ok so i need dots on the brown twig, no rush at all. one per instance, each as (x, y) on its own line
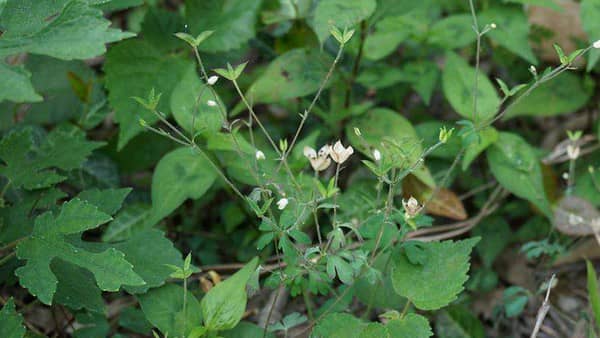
(543, 311)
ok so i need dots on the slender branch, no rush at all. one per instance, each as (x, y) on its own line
(356, 67)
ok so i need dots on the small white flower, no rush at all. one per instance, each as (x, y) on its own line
(340, 154)
(260, 155)
(596, 44)
(211, 103)
(573, 152)
(411, 207)
(565, 176)
(320, 161)
(377, 155)
(493, 25)
(532, 69)
(282, 203)
(212, 80)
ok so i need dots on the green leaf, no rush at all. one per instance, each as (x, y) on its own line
(224, 305)
(233, 22)
(593, 295)
(590, 19)
(516, 167)
(11, 322)
(381, 124)
(486, 137)
(458, 83)
(76, 287)
(189, 105)
(16, 84)
(246, 330)
(179, 175)
(338, 325)
(159, 27)
(512, 30)
(388, 34)
(454, 31)
(108, 201)
(75, 31)
(438, 282)
(495, 235)
(50, 239)
(411, 325)
(339, 13)
(544, 3)
(563, 95)
(134, 68)
(458, 322)
(127, 222)
(296, 73)
(91, 324)
(32, 166)
(163, 308)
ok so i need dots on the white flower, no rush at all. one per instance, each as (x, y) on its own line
(340, 154)
(320, 161)
(493, 25)
(211, 103)
(377, 155)
(411, 207)
(565, 176)
(282, 203)
(212, 80)
(596, 44)
(260, 155)
(573, 152)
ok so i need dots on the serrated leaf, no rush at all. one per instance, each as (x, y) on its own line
(232, 21)
(11, 322)
(590, 19)
(438, 282)
(127, 222)
(16, 84)
(75, 31)
(458, 322)
(296, 73)
(516, 167)
(224, 305)
(134, 68)
(179, 175)
(189, 106)
(339, 13)
(163, 308)
(50, 239)
(338, 325)
(411, 325)
(76, 287)
(458, 83)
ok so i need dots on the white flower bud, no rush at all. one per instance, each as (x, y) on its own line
(493, 25)
(282, 203)
(573, 152)
(211, 103)
(411, 207)
(260, 155)
(596, 44)
(377, 155)
(212, 80)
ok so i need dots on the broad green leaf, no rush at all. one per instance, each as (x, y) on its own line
(32, 165)
(296, 73)
(438, 282)
(458, 322)
(545, 3)
(163, 308)
(487, 137)
(50, 239)
(224, 305)
(516, 167)
(381, 124)
(114, 5)
(338, 325)
(179, 175)
(387, 35)
(246, 330)
(593, 295)
(133, 319)
(159, 27)
(454, 31)
(423, 77)
(590, 19)
(458, 83)
(495, 235)
(108, 201)
(133, 68)
(563, 95)
(130, 220)
(76, 287)
(512, 30)
(75, 31)
(189, 106)
(339, 13)
(16, 84)
(232, 21)
(411, 325)
(11, 322)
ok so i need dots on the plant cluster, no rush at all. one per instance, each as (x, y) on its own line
(321, 142)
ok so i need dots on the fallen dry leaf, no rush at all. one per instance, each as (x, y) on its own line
(444, 203)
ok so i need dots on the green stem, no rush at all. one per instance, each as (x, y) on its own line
(356, 66)
(6, 258)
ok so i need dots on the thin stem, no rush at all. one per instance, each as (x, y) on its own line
(12, 244)
(6, 258)
(335, 207)
(478, 52)
(388, 210)
(405, 310)
(5, 188)
(356, 66)
(184, 302)
(219, 171)
(571, 178)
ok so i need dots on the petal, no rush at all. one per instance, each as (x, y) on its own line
(310, 152)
